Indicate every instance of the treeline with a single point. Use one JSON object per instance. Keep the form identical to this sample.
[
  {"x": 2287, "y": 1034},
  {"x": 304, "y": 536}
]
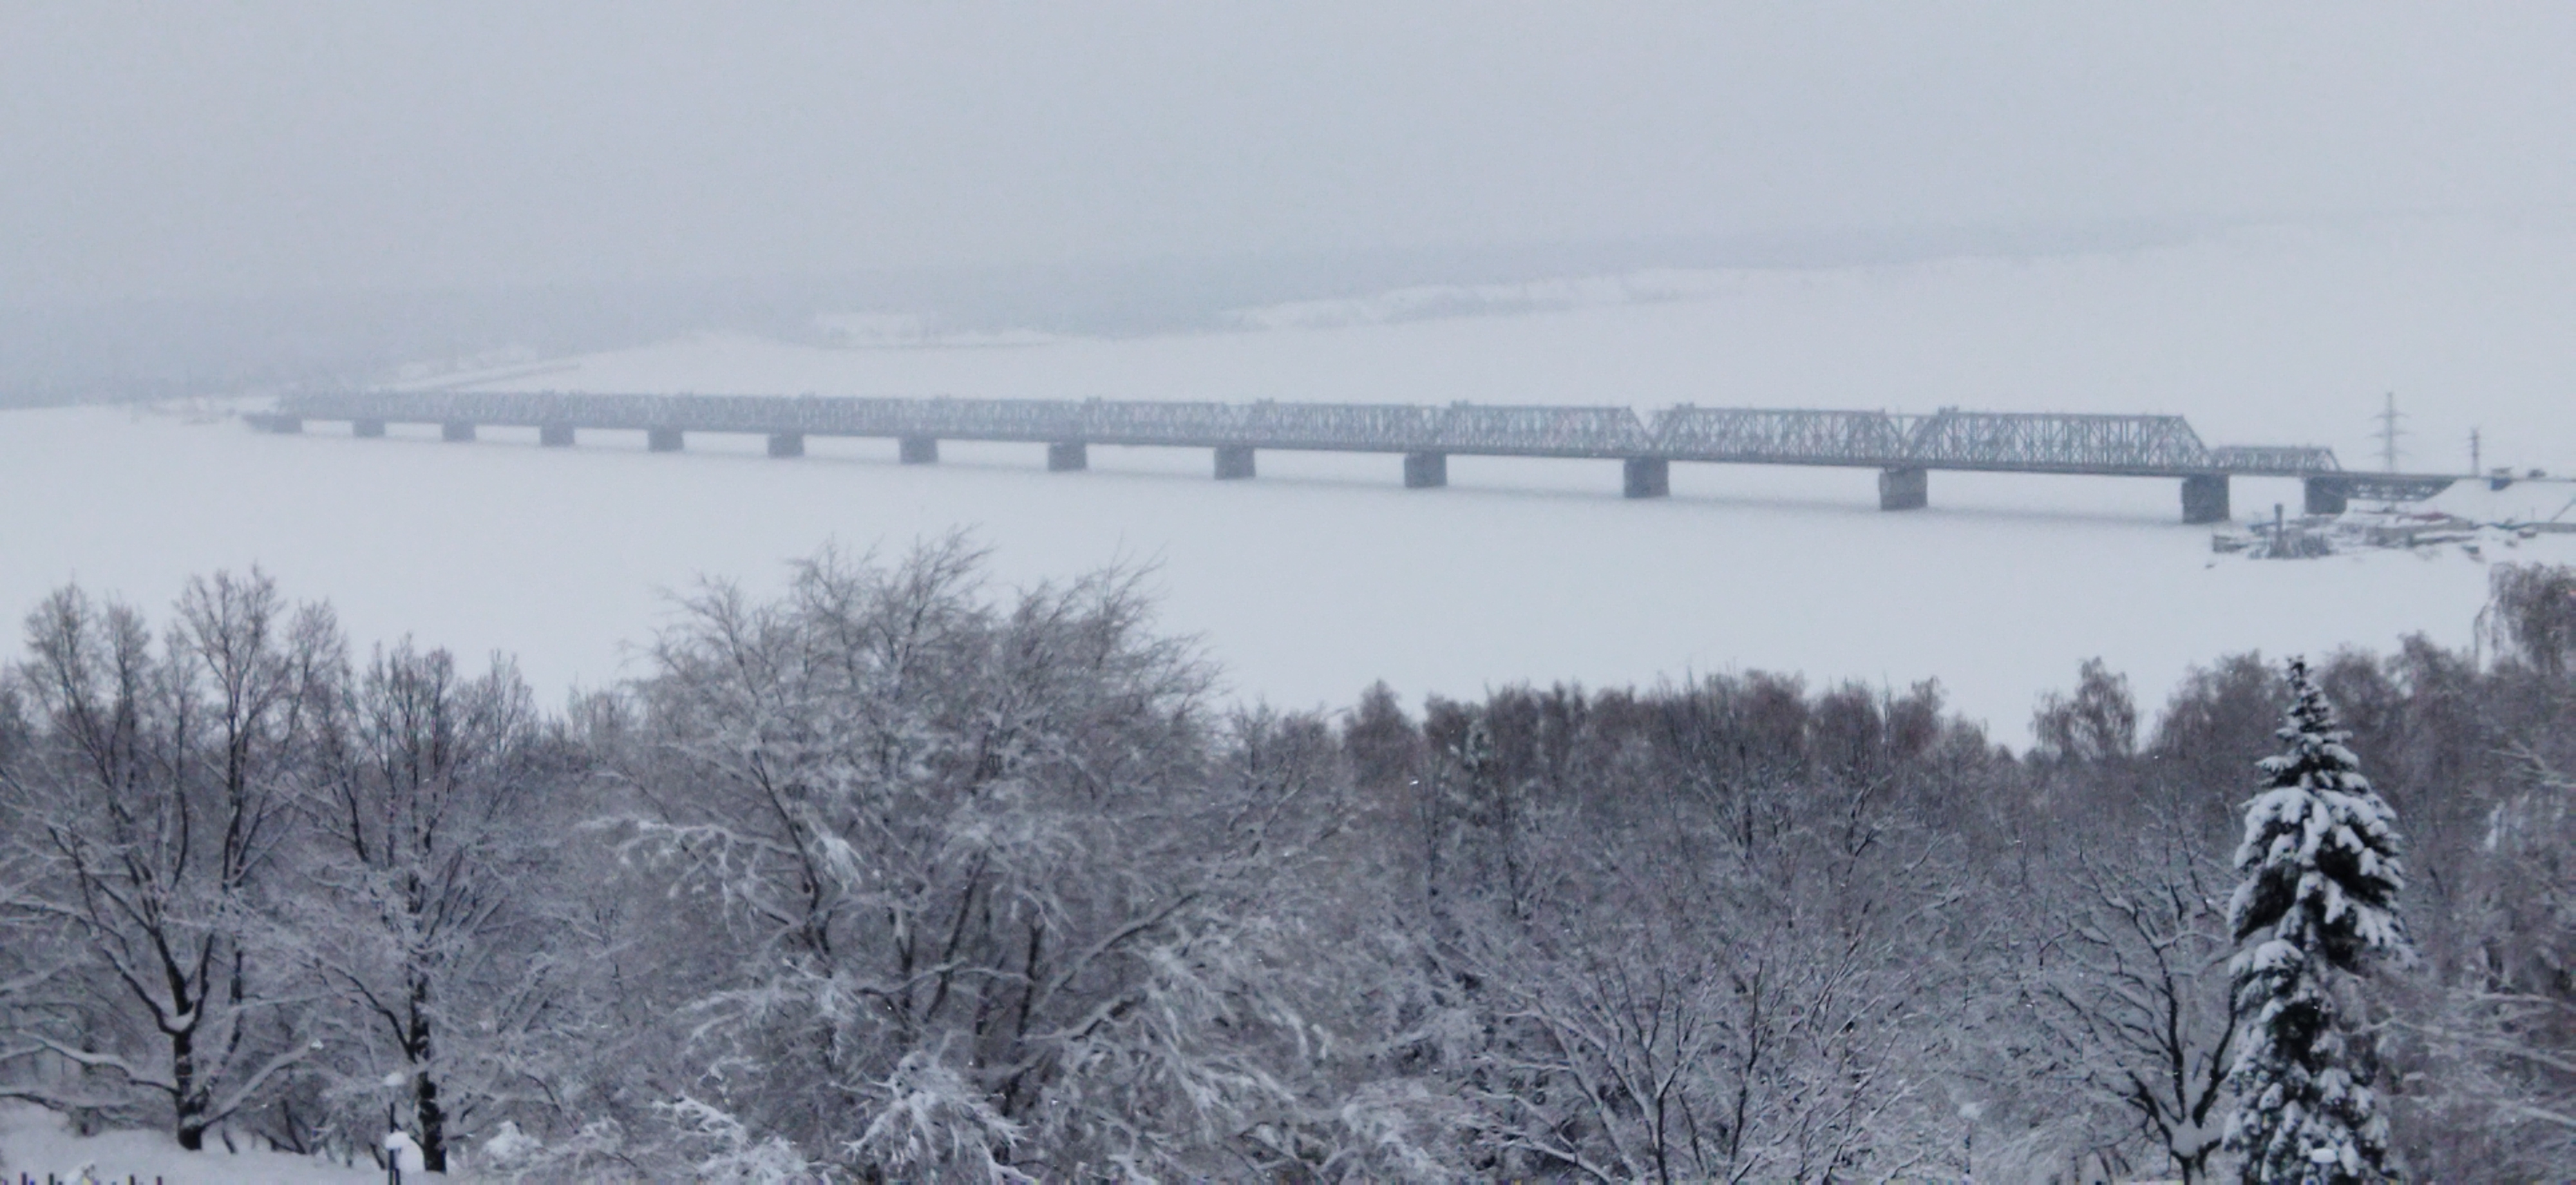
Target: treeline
[{"x": 898, "y": 877}]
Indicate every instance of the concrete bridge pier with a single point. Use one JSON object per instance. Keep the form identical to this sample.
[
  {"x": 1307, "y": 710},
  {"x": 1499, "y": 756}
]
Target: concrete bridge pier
[
  {"x": 919, "y": 450},
  {"x": 554, "y": 435},
  {"x": 786, "y": 444},
  {"x": 1426, "y": 471},
  {"x": 2204, "y": 498},
  {"x": 1904, "y": 489},
  {"x": 1068, "y": 457},
  {"x": 662, "y": 440},
  {"x": 2326, "y": 495},
  {"x": 368, "y": 429},
  {"x": 456, "y": 432},
  {"x": 1233, "y": 464},
  {"x": 1646, "y": 477}
]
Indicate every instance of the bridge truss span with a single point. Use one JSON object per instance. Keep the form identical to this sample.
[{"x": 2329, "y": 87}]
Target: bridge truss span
[
  {"x": 1902, "y": 447},
  {"x": 1780, "y": 436},
  {"x": 2274, "y": 460},
  {"x": 2027, "y": 442}
]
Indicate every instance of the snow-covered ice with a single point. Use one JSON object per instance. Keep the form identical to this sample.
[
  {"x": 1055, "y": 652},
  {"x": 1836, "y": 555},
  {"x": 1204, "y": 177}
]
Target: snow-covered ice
[
  {"x": 1325, "y": 574},
  {"x": 1308, "y": 583}
]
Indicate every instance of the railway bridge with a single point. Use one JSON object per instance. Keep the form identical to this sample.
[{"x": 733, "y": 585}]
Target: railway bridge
[{"x": 1904, "y": 449}]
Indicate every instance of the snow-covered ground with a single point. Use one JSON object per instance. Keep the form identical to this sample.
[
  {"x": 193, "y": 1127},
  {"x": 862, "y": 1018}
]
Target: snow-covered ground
[
  {"x": 40, "y": 1144},
  {"x": 1325, "y": 574}
]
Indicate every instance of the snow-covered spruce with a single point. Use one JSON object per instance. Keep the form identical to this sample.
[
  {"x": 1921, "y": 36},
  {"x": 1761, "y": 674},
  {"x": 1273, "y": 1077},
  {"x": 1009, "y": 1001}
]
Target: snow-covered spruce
[{"x": 2319, "y": 899}]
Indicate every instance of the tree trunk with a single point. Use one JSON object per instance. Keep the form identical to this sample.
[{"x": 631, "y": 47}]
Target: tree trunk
[
  {"x": 433, "y": 1124},
  {"x": 191, "y": 1118},
  {"x": 425, "y": 1105}
]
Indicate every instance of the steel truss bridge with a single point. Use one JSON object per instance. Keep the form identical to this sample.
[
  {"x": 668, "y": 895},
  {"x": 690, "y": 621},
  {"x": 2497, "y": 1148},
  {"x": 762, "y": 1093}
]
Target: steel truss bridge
[{"x": 1902, "y": 447}]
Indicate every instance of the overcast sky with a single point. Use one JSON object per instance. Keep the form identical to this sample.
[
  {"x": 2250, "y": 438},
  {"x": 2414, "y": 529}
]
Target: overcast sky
[{"x": 238, "y": 148}]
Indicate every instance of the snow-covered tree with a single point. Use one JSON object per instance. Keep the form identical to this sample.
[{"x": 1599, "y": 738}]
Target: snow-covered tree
[
  {"x": 2126, "y": 983},
  {"x": 2317, "y": 905},
  {"x": 13, "y": 716},
  {"x": 426, "y": 926},
  {"x": 152, "y": 805},
  {"x": 24, "y": 965},
  {"x": 990, "y": 906},
  {"x": 1704, "y": 954}
]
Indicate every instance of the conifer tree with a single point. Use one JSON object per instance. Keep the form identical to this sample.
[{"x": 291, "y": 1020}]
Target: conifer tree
[{"x": 2318, "y": 902}]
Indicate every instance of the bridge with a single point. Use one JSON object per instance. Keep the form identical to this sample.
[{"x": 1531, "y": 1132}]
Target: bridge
[{"x": 1903, "y": 448}]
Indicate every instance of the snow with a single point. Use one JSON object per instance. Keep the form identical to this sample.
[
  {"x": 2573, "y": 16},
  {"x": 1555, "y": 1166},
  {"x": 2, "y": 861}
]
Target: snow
[
  {"x": 1307, "y": 583},
  {"x": 403, "y": 1152},
  {"x": 509, "y": 1144},
  {"x": 35, "y": 1142},
  {"x": 1323, "y": 574}
]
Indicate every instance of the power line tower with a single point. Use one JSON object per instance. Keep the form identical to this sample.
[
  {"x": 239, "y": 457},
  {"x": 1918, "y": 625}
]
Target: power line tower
[
  {"x": 2473, "y": 452},
  {"x": 2388, "y": 433}
]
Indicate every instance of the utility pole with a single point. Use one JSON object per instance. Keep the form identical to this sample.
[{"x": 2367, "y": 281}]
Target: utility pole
[
  {"x": 2473, "y": 453},
  {"x": 2388, "y": 433}
]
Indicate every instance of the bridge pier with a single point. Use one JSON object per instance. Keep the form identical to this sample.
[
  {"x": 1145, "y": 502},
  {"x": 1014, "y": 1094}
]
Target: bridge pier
[
  {"x": 786, "y": 444},
  {"x": 662, "y": 440},
  {"x": 1233, "y": 463},
  {"x": 1904, "y": 489},
  {"x": 369, "y": 429},
  {"x": 2326, "y": 495},
  {"x": 2204, "y": 498},
  {"x": 1646, "y": 477},
  {"x": 1426, "y": 471},
  {"x": 282, "y": 425},
  {"x": 554, "y": 435},
  {"x": 919, "y": 450},
  {"x": 1068, "y": 457},
  {"x": 456, "y": 432}
]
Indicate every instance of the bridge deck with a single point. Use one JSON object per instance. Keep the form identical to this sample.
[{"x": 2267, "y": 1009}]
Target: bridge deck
[{"x": 2009, "y": 442}]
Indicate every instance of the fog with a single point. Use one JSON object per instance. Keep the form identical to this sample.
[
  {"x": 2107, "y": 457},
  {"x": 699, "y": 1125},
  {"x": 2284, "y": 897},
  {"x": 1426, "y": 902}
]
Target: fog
[
  {"x": 157, "y": 151},
  {"x": 245, "y": 194},
  {"x": 1023, "y": 784}
]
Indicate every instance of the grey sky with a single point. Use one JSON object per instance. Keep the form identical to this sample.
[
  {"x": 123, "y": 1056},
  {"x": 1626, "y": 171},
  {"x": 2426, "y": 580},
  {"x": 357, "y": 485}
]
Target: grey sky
[{"x": 238, "y": 148}]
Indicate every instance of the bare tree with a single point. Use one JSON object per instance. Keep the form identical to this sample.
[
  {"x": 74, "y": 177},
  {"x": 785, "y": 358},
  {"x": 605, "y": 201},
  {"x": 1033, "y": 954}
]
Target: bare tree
[
  {"x": 426, "y": 922},
  {"x": 152, "y": 804},
  {"x": 2099, "y": 722},
  {"x": 1708, "y": 1018},
  {"x": 1697, "y": 953},
  {"x": 2531, "y": 615},
  {"x": 2496, "y": 1040},
  {"x": 2130, "y": 979}
]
